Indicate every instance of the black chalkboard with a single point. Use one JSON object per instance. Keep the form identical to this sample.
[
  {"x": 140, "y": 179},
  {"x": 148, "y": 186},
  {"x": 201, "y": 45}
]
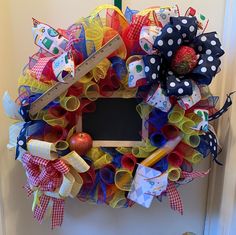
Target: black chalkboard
[{"x": 114, "y": 119}]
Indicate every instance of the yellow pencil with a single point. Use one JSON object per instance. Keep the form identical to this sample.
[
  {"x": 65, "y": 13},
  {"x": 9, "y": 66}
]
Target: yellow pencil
[{"x": 161, "y": 152}]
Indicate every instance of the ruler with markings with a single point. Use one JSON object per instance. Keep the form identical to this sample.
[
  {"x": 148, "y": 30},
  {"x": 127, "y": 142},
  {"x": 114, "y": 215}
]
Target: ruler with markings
[{"x": 81, "y": 70}]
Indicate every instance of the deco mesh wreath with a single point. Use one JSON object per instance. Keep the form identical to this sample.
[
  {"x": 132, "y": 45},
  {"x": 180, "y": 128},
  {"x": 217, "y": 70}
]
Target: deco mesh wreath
[{"x": 167, "y": 61}]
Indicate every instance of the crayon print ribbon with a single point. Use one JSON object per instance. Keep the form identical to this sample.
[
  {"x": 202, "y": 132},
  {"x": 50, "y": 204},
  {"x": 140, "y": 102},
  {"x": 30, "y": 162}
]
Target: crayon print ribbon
[{"x": 55, "y": 52}]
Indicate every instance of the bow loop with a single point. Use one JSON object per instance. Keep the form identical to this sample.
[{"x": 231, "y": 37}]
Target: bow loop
[
  {"x": 41, "y": 173},
  {"x": 206, "y": 69},
  {"x": 152, "y": 67},
  {"x": 187, "y": 27},
  {"x": 208, "y": 43},
  {"x": 168, "y": 41},
  {"x": 60, "y": 166},
  {"x": 177, "y": 87}
]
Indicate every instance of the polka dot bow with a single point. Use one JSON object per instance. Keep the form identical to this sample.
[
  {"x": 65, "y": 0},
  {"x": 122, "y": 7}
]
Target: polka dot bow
[{"x": 183, "y": 57}]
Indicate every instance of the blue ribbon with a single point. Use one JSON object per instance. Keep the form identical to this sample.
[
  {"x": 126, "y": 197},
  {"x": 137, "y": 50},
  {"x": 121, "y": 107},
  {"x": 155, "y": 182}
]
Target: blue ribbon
[
  {"x": 224, "y": 109},
  {"x": 182, "y": 31},
  {"x": 129, "y": 13},
  {"x": 158, "y": 118},
  {"x": 162, "y": 165},
  {"x": 157, "y": 139},
  {"x": 119, "y": 66}
]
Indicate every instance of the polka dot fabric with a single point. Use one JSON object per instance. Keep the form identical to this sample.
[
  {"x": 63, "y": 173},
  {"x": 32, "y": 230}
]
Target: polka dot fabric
[
  {"x": 177, "y": 87},
  {"x": 187, "y": 26},
  {"x": 206, "y": 69},
  {"x": 168, "y": 41},
  {"x": 208, "y": 43},
  {"x": 224, "y": 109},
  {"x": 152, "y": 68},
  {"x": 212, "y": 143}
]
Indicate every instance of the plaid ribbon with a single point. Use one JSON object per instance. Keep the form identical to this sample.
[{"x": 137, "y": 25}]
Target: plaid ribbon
[
  {"x": 40, "y": 65},
  {"x": 136, "y": 25},
  {"x": 173, "y": 194},
  {"x": 57, "y": 210},
  {"x": 42, "y": 173},
  {"x": 46, "y": 176},
  {"x": 194, "y": 174},
  {"x": 174, "y": 198}
]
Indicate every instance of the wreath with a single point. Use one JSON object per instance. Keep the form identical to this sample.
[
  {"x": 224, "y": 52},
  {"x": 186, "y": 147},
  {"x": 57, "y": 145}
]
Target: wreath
[{"x": 166, "y": 61}]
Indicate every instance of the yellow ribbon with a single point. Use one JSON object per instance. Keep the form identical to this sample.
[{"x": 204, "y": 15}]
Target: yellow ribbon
[
  {"x": 123, "y": 179},
  {"x": 33, "y": 84},
  {"x": 87, "y": 77},
  {"x": 91, "y": 90},
  {"x": 185, "y": 125},
  {"x": 144, "y": 109},
  {"x": 176, "y": 114},
  {"x": 192, "y": 140},
  {"x": 70, "y": 103},
  {"x": 118, "y": 199},
  {"x": 55, "y": 121},
  {"x": 95, "y": 153},
  {"x": 61, "y": 145},
  {"x": 70, "y": 133},
  {"x": 97, "y": 10},
  {"x": 143, "y": 151},
  {"x": 100, "y": 71},
  {"x": 124, "y": 150},
  {"x": 194, "y": 158},
  {"x": 36, "y": 201},
  {"x": 102, "y": 161},
  {"x": 174, "y": 173}
]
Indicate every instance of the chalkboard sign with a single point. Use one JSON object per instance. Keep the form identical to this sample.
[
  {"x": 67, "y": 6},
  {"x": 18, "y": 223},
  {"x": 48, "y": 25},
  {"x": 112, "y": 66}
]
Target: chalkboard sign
[{"x": 115, "y": 122}]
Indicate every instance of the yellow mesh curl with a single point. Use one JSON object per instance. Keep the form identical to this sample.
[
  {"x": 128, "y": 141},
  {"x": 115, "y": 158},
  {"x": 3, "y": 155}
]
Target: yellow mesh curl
[
  {"x": 118, "y": 199},
  {"x": 91, "y": 90},
  {"x": 100, "y": 71},
  {"x": 174, "y": 173},
  {"x": 70, "y": 103},
  {"x": 192, "y": 140},
  {"x": 123, "y": 179},
  {"x": 102, "y": 161},
  {"x": 176, "y": 114},
  {"x": 35, "y": 85}
]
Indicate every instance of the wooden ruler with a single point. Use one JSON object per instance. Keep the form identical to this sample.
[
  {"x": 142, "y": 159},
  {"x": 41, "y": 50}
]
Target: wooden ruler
[{"x": 81, "y": 70}]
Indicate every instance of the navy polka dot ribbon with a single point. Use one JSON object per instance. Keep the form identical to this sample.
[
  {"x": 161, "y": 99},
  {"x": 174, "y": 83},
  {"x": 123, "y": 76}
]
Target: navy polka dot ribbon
[
  {"x": 29, "y": 128},
  {"x": 224, "y": 109},
  {"x": 206, "y": 69},
  {"x": 182, "y": 31},
  {"x": 21, "y": 139},
  {"x": 211, "y": 144},
  {"x": 177, "y": 87},
  {"x": 152, "y": 68}
]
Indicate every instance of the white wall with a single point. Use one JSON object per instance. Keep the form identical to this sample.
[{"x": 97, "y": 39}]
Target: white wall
[{"x": 16, "y": 45}]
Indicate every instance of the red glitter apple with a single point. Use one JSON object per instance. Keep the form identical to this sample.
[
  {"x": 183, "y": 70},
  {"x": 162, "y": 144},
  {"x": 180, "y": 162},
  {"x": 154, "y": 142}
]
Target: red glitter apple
[
  {"x": 81, "y": 143},
  {"x": 184, "y": 60}
]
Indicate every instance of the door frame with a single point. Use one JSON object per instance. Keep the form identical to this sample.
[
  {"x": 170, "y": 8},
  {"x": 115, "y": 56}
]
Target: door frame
[{"x": 222, "y": 180}]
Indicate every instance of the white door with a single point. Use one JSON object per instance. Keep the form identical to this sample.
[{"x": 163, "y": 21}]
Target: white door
[{"x": 16, "y": 45}]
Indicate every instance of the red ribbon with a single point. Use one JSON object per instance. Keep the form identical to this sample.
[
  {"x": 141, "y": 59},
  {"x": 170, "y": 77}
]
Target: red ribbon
[
  {"x": 173, "y": 194},
  {"x": 174, "y": 198},
  {"x": 57, "y": 210},
  {"x": 47, "y": 176},
  {"x": 42, "y": 173}
]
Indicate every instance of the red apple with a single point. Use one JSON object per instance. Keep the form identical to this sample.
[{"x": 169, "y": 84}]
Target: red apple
[{"x": 81, "y": 143}]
